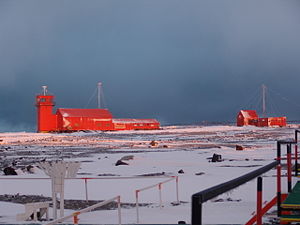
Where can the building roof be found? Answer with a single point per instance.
(249, 114)
(92, 113)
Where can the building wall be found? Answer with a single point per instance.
(83, 123)
(272, 122)
(136, 126)
(46, 120)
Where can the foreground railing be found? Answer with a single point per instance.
(88, 209)
(159, 185)
(199, 198)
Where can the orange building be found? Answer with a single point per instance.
(272, 121)
(247, 117)
(250, 117)
(70, 120)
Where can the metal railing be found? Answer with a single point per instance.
(199, 198)
(88, 209)
(159, 185)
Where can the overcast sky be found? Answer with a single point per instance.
(181, 62)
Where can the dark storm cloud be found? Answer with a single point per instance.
(178, 61)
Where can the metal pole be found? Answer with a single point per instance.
(75, 218)
(86, 190)
(196, 211)
(289, 167)
(54, 201)
(160, 199)
(119, 209)
(296, 153)
(62, 197)
(259, 202)
(264, 100)
(177, 193)
(279, 179)
(99, 95)
(137, 206)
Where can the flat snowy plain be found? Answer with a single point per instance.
(186, 148)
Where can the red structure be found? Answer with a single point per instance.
(70, 120)
(250, 117)
(247, 117)
(272, 121)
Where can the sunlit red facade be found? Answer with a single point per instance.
(71, 120)
(250, 117)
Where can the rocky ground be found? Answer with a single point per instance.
(23, 152)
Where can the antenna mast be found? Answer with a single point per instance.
(99, 95)
(44, 90)
(264, 89)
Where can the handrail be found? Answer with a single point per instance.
(207, 194)
(75, 214)
(159, 185)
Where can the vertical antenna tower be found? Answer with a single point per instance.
(264, 89)
(99, 95)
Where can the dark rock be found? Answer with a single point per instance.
(107, 175)
(153, 174)
(216, 158)
(198, 174)
(30, 169)
(239, 147)
(165, 146)
(153, 143)
(181, 171)
(9, 171)
(120, 162)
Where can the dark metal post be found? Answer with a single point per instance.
(296, 152)
(278, 179)
(259, 202)
(196, 210)
(289, 167)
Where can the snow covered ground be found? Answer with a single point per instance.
(162, 153)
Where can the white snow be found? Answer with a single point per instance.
(186, 148)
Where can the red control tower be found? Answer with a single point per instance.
(46, 120)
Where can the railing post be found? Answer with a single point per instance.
(119, 209)
(278, 179)
(177, 193)
(259, 202)
(86, 190)
(160, 198)
(289, 167)
(137, 206)
(296, 152)
(75, 218)
(196, 210)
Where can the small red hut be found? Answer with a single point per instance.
(70, 120)
(247, 117)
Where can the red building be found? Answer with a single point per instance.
(272, 121)
(250, 117)
(70, 120)
(247, 117)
